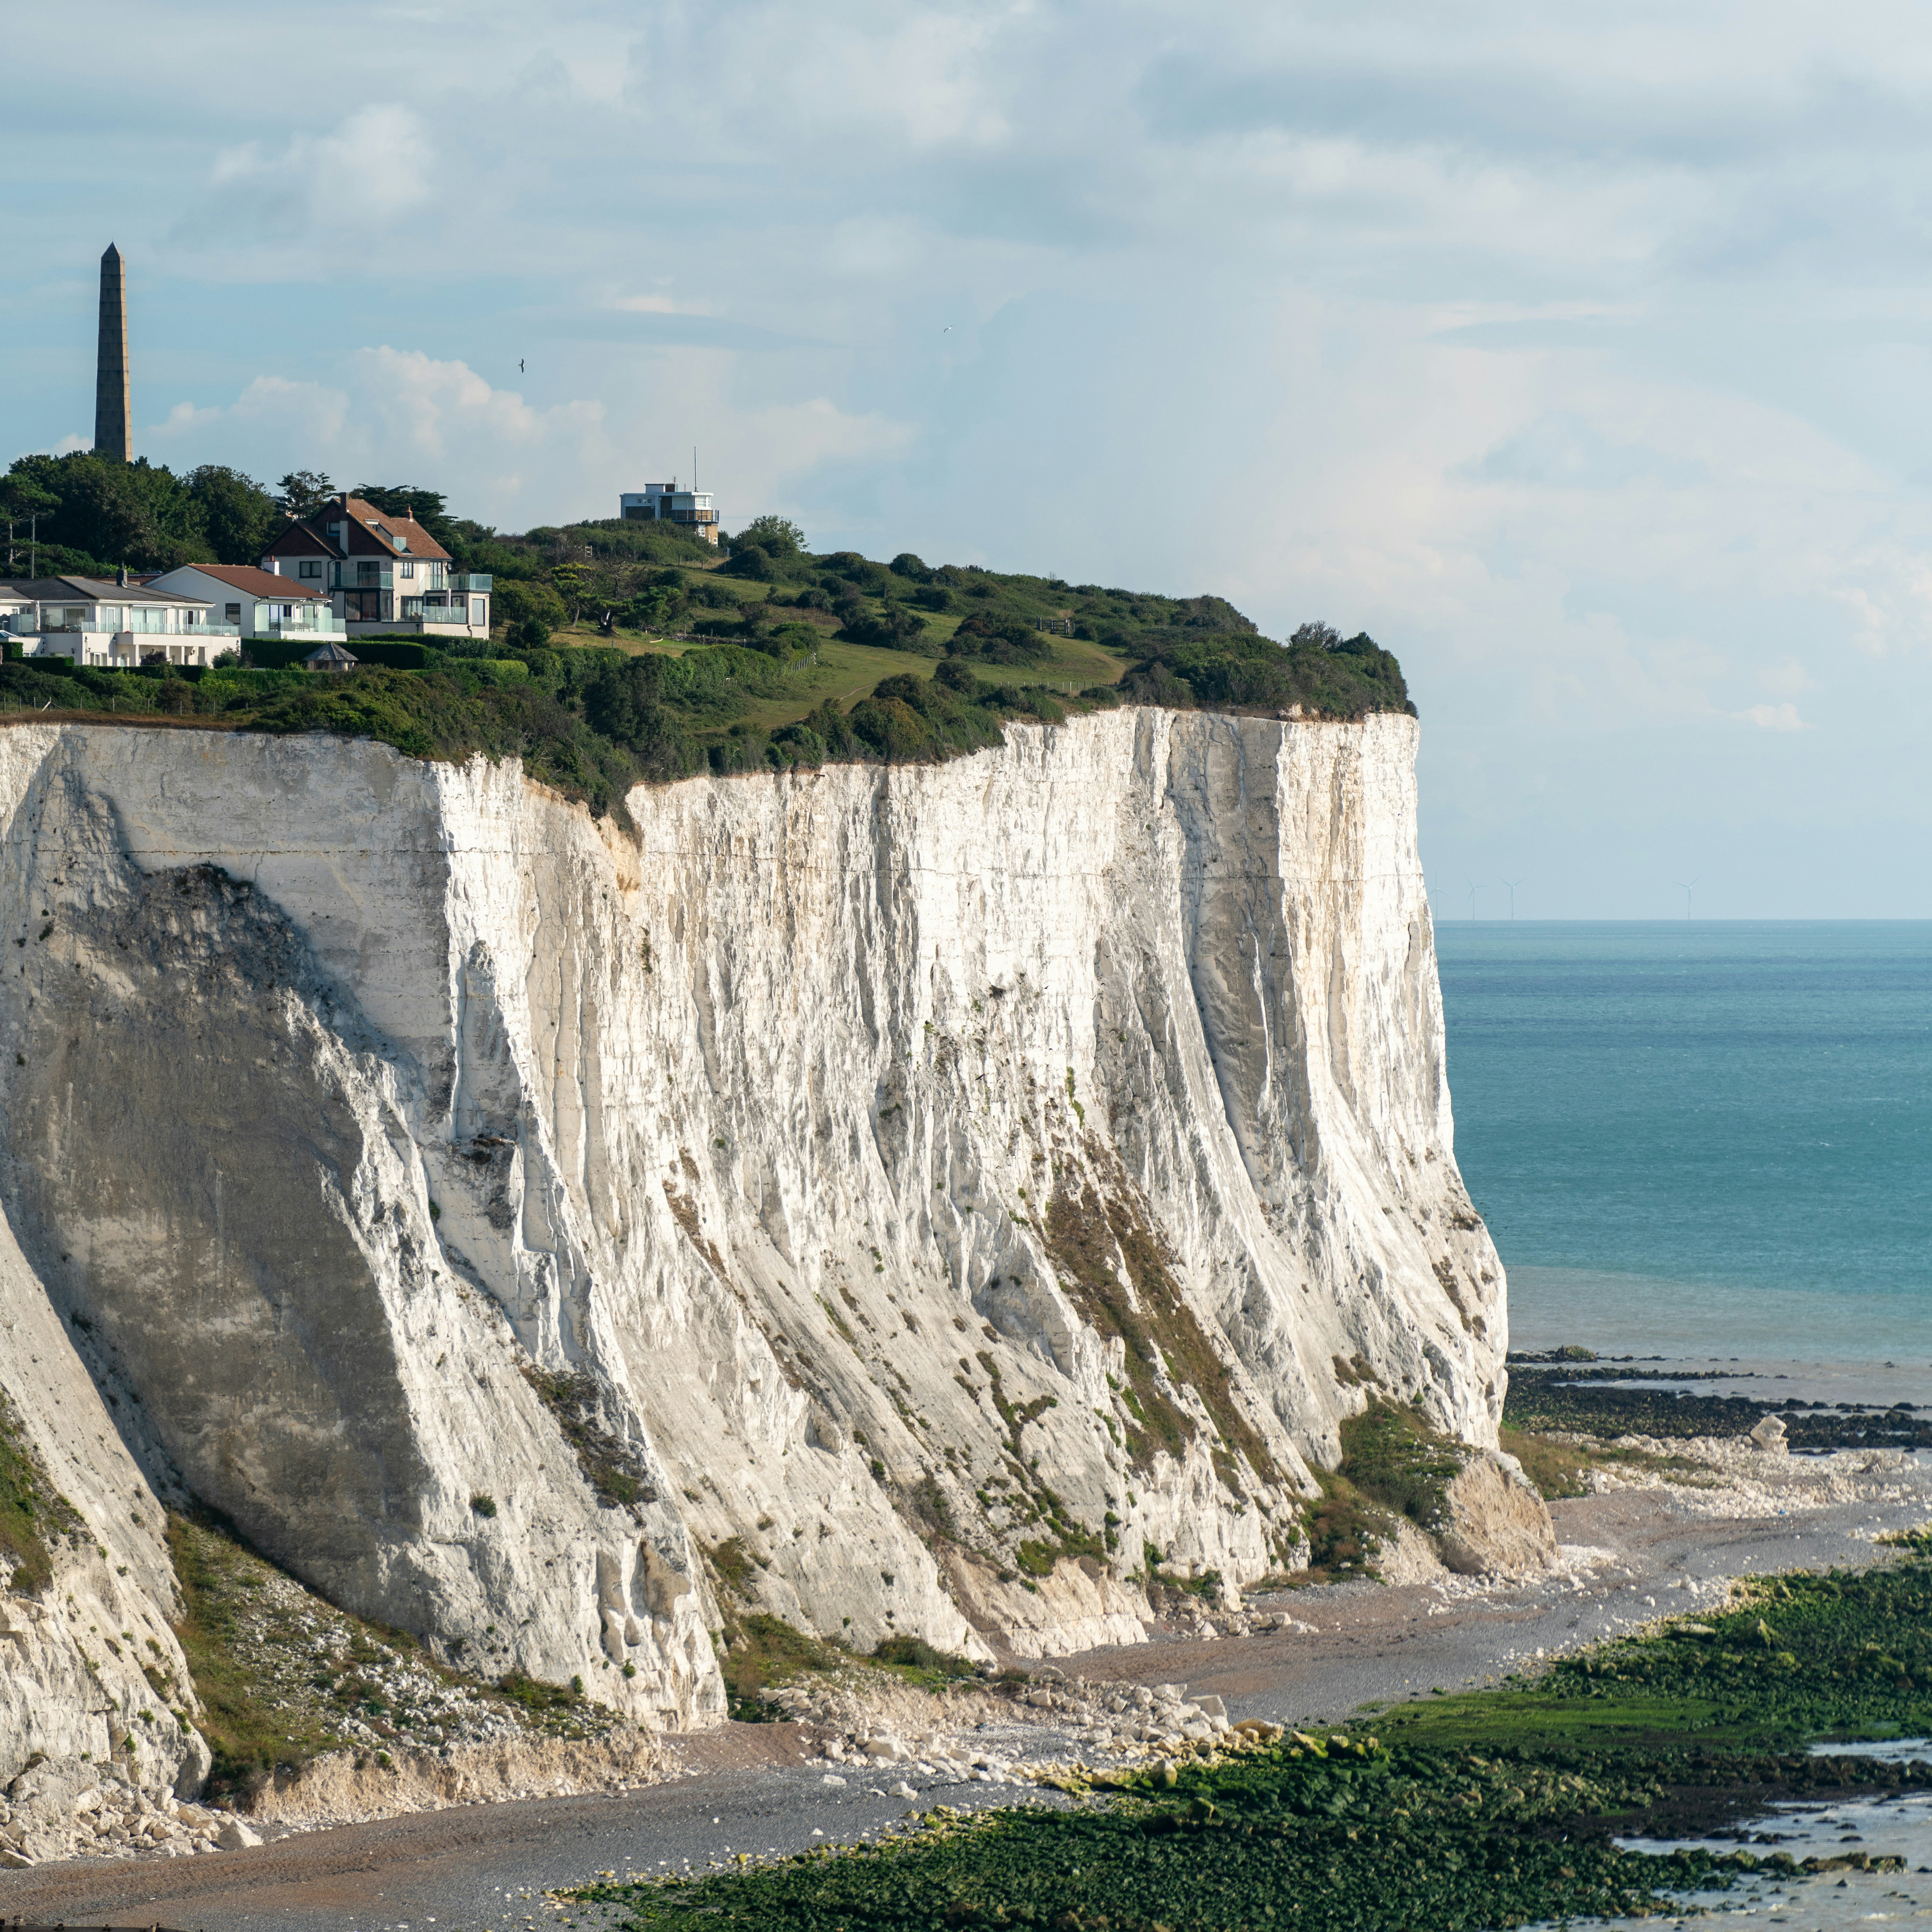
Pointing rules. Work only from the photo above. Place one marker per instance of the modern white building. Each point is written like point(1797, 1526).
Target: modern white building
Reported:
point(259, 603)
point(382, 573)
point(666, 503)
point(118, 626)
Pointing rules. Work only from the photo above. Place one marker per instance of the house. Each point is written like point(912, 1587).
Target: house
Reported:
point(260, 603)
point(380, 572)
point(118, 626)
point(666, 503)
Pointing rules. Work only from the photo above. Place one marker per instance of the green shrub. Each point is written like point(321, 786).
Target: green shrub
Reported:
point(1008, 640)
point(896, 629)
point(748, 560)
point(914, 1653)
point(32, 1512)
point(1238, 671)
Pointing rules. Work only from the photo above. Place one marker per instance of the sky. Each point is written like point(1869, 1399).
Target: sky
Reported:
point(1582, 356)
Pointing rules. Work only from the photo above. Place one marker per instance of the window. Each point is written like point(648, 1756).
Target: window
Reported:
point(234, 614)
point(309, 566)
point(408, 569)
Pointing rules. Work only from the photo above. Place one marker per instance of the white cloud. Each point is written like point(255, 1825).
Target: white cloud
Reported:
point(374, 169)
point(1774, 717)
point(657, 305)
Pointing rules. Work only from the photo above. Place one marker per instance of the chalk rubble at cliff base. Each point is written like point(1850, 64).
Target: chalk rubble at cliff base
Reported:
point(892, 1201)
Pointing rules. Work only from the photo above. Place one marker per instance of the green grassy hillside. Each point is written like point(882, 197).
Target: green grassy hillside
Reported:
point(627, 653)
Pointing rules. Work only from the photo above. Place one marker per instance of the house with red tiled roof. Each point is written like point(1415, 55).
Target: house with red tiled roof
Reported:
point(257, 603)
point(381, 572)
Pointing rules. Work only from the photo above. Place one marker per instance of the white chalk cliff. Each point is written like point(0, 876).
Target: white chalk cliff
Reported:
point(903, 1194)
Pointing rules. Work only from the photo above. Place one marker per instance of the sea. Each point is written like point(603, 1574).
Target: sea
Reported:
point(1709, 1145)
point(1708, 1140)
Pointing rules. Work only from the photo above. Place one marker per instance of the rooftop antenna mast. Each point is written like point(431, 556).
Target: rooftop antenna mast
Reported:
point(1684, 886)
point(1512, 884)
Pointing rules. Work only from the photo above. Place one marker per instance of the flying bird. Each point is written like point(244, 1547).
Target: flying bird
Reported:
point(520, 365)
point(947, 330)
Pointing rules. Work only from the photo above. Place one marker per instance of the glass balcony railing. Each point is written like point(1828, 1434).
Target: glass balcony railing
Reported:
point(462, 585)
point(448, 607)
point(324, 623)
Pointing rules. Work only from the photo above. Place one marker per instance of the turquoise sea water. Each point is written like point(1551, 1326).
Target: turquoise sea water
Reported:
point(1708, 1139)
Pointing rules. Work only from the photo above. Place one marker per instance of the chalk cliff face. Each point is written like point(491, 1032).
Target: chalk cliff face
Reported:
point(894, 1198)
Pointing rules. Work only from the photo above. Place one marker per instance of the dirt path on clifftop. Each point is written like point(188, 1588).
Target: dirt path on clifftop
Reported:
point(483, 1868)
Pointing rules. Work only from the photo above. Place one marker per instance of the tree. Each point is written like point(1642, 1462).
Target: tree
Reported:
point(515, 601)
point(304, 493)
point(113, 512)
point(778, 537)
point(238, 518)
point(907, 564)
point(1314, 636)
point(23, 501)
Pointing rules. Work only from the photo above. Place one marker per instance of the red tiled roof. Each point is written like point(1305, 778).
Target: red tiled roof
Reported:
point(257, 583)
point(310, 537)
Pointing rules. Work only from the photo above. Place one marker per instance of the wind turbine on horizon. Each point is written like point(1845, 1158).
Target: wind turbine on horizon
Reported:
point(1684, 886)
point(1512, 884)
point(1474, 889)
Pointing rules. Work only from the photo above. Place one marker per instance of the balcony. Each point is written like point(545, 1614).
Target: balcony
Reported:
point(463, 586)
point(308, 623)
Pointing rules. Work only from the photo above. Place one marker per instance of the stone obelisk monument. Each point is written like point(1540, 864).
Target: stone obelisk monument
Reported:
point(112, 423)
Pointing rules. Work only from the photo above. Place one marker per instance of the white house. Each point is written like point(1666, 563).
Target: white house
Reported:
point(382, 573)
point(666, 503)
point(118, 626)
point(260, 603)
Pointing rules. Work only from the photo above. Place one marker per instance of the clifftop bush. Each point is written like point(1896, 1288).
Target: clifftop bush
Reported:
point(1245, 671)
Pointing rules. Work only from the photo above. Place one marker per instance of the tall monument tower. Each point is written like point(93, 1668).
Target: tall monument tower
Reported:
point(113, 420)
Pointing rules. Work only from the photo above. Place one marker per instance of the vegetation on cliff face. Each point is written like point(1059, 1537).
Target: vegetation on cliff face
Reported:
point(283, 1677)
point(32, 1512)
point(1492, 1809)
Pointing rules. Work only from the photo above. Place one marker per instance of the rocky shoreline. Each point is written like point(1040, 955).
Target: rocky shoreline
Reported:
point(1571, 1392)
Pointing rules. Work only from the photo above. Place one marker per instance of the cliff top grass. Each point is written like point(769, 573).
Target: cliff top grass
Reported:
point(622, 661)
point(1496, 1808)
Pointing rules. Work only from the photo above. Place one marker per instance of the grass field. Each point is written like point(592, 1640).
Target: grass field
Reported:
point(845, 672)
